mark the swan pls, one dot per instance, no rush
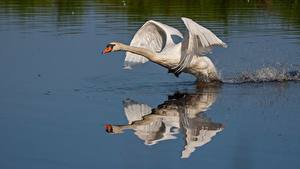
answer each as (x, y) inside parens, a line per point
(157, 42)
(180, 113)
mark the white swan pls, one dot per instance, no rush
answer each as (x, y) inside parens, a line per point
(156, 42)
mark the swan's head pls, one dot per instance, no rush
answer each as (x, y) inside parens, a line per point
(112, 47)
(108, 128)
(113, 129)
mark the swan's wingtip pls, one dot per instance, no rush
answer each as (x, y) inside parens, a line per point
(151, 21)
(127, 67)
(183, 18)
(224, 45)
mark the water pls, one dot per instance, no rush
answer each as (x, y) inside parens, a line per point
(58, 91)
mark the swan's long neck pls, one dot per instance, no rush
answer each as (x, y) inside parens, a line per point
(143, 52)
(201, 67)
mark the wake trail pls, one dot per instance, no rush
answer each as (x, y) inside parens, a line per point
(267, 74)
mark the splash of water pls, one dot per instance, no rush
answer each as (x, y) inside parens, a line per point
(267, 74)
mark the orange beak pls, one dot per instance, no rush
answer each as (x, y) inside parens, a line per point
(108, 128)
(107, 50)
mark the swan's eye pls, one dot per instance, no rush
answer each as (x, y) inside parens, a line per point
(110, 45)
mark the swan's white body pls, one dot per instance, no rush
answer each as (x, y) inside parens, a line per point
(156, 42)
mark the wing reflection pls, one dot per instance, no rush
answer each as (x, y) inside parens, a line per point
(183, 111)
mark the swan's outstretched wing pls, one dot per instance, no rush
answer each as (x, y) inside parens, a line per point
(198, 130)
(135, 111)
(196, 137)
(198, 41)
(152, 35)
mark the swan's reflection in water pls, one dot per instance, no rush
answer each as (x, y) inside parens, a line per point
(182, 112)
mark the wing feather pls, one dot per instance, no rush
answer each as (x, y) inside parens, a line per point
(200, 38)
(135, 111)
(198, 41)
(152, 35)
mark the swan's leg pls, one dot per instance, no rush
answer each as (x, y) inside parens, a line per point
(174, 71)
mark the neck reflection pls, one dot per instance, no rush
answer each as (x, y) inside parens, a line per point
(181, 112)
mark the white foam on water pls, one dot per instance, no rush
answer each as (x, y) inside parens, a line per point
(266, 74)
